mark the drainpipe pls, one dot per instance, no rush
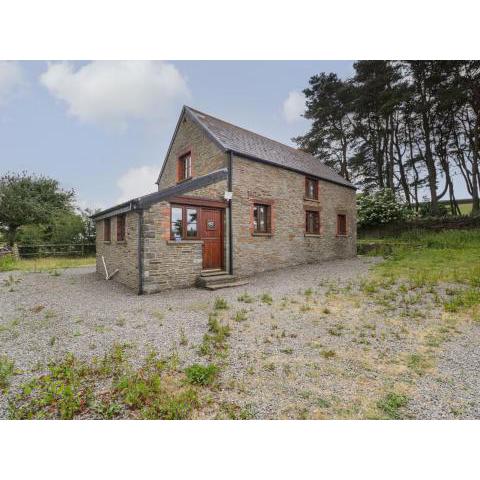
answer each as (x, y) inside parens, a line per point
(140, 251)
(230, 228)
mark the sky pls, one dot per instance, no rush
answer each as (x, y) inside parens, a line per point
(103, 128)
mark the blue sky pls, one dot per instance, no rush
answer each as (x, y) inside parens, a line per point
(46, 128)
(102, 128)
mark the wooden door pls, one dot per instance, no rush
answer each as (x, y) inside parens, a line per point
(211, 232)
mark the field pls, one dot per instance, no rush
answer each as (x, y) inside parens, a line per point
(8, 264)
(368, 338)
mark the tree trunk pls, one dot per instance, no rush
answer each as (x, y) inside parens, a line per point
(11, 235)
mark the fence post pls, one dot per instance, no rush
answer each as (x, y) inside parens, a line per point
(15, 252)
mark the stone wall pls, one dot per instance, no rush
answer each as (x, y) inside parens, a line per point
(288, 244)
(206, 155)
(167, 264)
(121, 255)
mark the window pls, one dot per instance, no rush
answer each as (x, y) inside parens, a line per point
(184, 170)
(311, 188)
(121, 228)
(261, 218)
(312, 222)
(341, 224)
(106, 230)
(184, 223)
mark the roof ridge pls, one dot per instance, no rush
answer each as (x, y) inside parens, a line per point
(251, 132)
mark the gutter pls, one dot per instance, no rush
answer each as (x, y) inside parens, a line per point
(230, 226)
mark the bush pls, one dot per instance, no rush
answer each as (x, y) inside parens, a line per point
(381, 208)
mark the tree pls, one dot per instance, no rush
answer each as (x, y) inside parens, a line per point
(329, 107)
(30, 200)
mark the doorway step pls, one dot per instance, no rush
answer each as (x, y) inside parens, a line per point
(217, 279)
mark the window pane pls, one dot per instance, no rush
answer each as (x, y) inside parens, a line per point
(191, 215)
(255, 218)
(176, 221)
(191, 222)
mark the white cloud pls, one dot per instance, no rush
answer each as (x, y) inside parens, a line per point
(10, 78)
(294, 106)
(137, 182)
(110, 93)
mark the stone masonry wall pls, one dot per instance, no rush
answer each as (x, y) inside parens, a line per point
(167, 264)
(121, 255)
(288, 245)
(206, 156)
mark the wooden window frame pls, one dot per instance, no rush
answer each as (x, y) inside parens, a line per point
(315, 180)
(121, 227)
(107, 222)
(184, 209)
(317, 229)
(268, 218)
(341, 233)
(181, 166)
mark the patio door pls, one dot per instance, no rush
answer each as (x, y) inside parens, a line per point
(211, 232)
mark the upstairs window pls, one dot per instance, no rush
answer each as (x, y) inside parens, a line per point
(184, 168)
(120, 228)
(184, 223)
(341, 225)
(311, 188)
(312, 222)
(106, 230)
(262, 222)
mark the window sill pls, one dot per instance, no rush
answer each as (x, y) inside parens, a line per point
(317, 235)
(107, 242)
(121, 242)
(174, 242)
(258, 234)
(341, 236)
(314, 200)
(184, 180)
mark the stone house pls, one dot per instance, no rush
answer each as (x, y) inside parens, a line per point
(230, 203)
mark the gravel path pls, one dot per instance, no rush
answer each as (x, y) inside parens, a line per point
(454, 390)
(320, 349)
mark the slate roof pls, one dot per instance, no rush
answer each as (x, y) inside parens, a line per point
(257, 147)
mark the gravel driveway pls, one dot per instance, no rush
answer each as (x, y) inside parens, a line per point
(307, 343)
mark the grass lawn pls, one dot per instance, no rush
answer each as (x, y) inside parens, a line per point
(450, 256)
(8, 264)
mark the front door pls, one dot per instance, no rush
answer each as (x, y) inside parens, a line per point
(211, 232)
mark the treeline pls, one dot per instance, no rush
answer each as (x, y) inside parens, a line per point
(405, 126)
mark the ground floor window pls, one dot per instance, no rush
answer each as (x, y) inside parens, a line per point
(184, 222)
(312, 222)
(341, 224)
(262, 222)
(120, 228)
(106, 230)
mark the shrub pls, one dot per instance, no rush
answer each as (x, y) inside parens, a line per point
(200, 374)
(380, 208)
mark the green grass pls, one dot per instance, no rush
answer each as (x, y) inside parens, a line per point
(156, 390)
(7, 369)
(391, 405)
(426, 257)
(200, 374)
(8, 264)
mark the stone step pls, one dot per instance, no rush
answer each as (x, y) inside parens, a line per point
(213, 273)
(214, 279)
(217, 286)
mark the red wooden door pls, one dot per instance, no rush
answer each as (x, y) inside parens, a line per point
(211, 232)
